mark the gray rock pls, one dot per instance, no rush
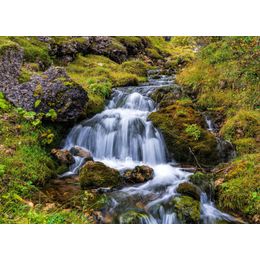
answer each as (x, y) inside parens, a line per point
(11, 59)
(53, 90)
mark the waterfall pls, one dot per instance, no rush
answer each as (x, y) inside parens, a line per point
(122, 137)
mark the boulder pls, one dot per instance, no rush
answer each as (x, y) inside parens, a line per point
(11, 59)
(81, 152)
(139, 174)
(52, 91)
(68, 48)
(97, 175)
(187, 209)
(185, 134)
(188, 189)
(109, 47)
(63, 156)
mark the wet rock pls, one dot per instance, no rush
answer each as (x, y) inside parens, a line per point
(11, 58)
(98, 175)
(81, 152)
(188, 189)
(187, 209)
(139, 174)
(63, 156)
(132, 217)
(52, 91)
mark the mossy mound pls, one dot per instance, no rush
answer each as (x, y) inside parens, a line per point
(185, 135)
(237, 187)
(189, 189)
(187, 209)
(243, 129)
(98, 175)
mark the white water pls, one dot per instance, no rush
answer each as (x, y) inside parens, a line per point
(122, 138)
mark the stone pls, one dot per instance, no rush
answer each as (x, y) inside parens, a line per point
(11, 59)
(81, 152)
(63, 156)
(187, 209)
(139, 174)
(189, 189)
(95, 175)
(53, 90)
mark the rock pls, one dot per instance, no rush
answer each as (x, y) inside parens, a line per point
(109, 47)
(98, 175)
(139, 174)
(187, 209)
(132, 217)
(203, 181)
(63, 156)
(81, 152)
(54, 91)
(11, 59)
(188, 189)
(166, 96)
(67, 49)
(185, 135)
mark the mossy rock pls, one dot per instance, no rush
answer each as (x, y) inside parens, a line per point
(132, 217)
(187, 209)
(98, 175)
(185, 135)
(237, 187)
(189, 189)
(203, 180)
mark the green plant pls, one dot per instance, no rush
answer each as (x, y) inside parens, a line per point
(194, 131)
(52, 114)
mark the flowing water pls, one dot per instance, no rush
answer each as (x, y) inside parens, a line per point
(122, 137)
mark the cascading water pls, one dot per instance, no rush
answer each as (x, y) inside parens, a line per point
(122, 138)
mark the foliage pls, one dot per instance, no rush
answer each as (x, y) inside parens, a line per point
(194, 131)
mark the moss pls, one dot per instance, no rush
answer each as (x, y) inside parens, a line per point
(187, 209)
(98, 75)
(135, 67)
(203, 180)
(24, 76)
(245, 124)
(34, 50)
(173, 125)
(98, 175)
(4, 104)
(6, 43)
(238, 190)
(246, 146)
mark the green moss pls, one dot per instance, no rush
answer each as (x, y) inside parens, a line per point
(135, 67)
(180, 141)
(98, 175)
(246, 146)
(34, 50)
(24, 76)
(238, 192)
(4, 104)
(187, 209)
(244, 124)
(6, 43)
